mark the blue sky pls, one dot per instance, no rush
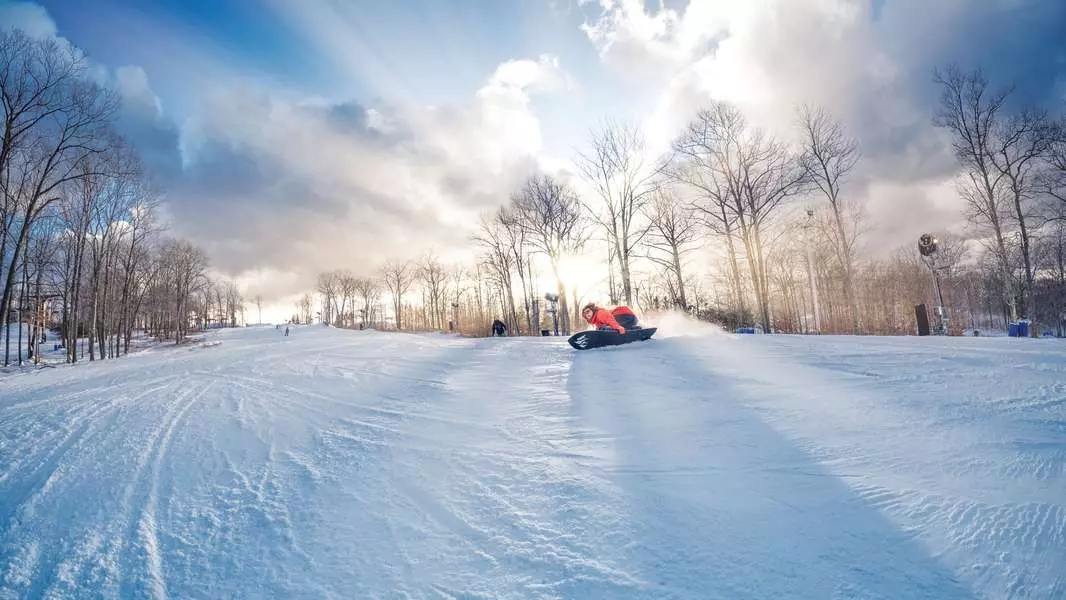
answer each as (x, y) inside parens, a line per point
(320, 134)
(428, 51)
(446, 44)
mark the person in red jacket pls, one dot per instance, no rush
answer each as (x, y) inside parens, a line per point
(625, 317)
(600, 318)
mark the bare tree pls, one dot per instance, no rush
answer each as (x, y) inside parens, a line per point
(550, 213)
(109, 225)
(368, 291)
(329, 287)
(398, 277)
(141, 226)
(184, 275)
(748, 174)
(702, 162)
(458, 284)
(1054, 179)
(497, 239)
(234, 301)
(513, 236)
(54, 118)
(347, 287)
(673, 233)
(830, 155)
(1051, 259)
(431, 272)
(78, 228)
(305, 304)
(620, 174)
(1002, 155)
(768, 174)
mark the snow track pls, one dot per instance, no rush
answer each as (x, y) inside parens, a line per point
(334, 464)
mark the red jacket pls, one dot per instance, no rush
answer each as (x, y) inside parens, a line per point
(602, 318)
(622, 310)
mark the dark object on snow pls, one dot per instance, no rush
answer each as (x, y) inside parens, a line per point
(498, 328)
(545, 332)
(286, 332)
(598, 338)
(923, 319)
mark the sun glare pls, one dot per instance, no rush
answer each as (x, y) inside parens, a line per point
(582, 273)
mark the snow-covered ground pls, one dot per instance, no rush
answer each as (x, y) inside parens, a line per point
(340, 464)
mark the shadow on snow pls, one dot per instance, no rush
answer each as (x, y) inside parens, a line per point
(721, 505)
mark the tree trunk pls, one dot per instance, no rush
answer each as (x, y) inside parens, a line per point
(680, 278)
(627, 284)
(1028, 294)
(847, 260)
(734, 266)
(753, 268)
(9, 283)
(763, 279)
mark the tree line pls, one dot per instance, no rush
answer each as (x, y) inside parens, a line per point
(785, 235)
(82, 248)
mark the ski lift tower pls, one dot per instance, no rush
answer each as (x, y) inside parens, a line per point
(553, 309)
(927, 247)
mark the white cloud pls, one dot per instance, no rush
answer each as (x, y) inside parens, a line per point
(341, 185)
(770, 56)
(29, 17)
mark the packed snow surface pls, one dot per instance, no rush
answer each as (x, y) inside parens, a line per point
(340, 464)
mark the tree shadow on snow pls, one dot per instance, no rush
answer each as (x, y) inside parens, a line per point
(721, 505)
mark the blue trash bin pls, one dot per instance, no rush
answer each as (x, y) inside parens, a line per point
(1023, 329)
(1012, 329)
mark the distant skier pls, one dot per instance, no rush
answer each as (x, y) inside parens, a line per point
(625, 317)
(601, 318)
(499, 328)
(286, 331)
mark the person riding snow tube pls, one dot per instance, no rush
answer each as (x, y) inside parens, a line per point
(625, 317)
(601, 318)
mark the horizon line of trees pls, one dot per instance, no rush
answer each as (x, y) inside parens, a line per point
(788, 230)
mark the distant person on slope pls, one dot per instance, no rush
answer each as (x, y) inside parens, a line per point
(625, 317)
(498, 328)
(601, 318)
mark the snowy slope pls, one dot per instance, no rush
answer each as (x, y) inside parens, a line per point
(338, 464)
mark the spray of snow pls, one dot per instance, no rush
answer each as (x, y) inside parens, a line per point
(674, 323)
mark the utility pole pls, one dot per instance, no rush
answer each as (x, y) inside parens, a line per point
(810, 276)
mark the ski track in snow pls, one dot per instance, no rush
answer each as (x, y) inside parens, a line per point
(337, 464)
